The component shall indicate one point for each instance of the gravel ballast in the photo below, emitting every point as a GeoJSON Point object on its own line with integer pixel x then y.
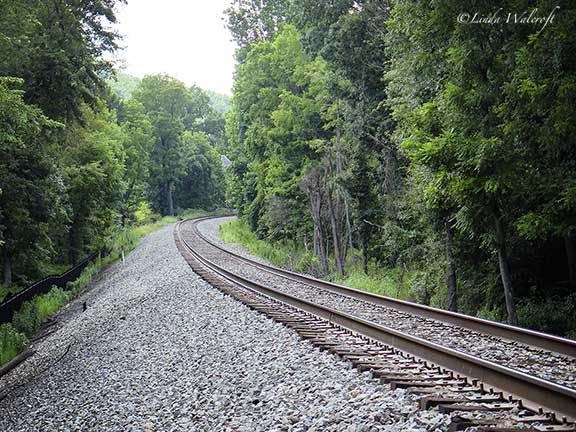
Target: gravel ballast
{"type": "Point", "coordinates": [161, 350]}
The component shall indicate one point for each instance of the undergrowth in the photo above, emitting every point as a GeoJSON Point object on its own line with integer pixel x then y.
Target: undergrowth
{"type": "Point", "coordinates": [385, 282]}
{"type": "Point", "coordinates": [237, 231]}
{"type": "Point", "coordinates": [12, 343]}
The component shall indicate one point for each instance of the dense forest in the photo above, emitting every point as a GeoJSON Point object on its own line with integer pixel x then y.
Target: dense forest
{"type": "Point", "coordinates": [84, 149]}
{"type": "Point", "coordinates": [387, 136]}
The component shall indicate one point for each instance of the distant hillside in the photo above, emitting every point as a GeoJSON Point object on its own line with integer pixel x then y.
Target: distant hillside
{"type": "Point", "coordinates": [220, 102]}
{"type": "Point", "coordinates": [125, 84]}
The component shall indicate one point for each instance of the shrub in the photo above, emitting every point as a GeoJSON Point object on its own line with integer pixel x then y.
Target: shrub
{"type": "Point", "coordinates": [7, 291]}
{"type": "Point", "coordinates": [237, 231]}
{"type": "Point", "coordinates": [307, 262]}
{"type": "Point", "coordinates": [84, 279]}
{"type": "Point", "coordinates": [556, 316]}
{"type": "Point", "coordinates": [12, 343]}
{"type": "Point", "coordinates": [144, 213]}
{"type": "Point", "coordinates": [491, 313]}
{"type": "Point", "coordinates": [27, 320]}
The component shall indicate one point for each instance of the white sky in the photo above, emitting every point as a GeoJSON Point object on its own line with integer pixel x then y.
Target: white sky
{"type": "Point", "coordinates": [186, 39]}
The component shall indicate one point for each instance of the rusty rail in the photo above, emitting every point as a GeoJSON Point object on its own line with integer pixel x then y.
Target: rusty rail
{"type": "Point", "coordinates": [535, 392]}
{"type": "Point", "coordinates": [518, 334]}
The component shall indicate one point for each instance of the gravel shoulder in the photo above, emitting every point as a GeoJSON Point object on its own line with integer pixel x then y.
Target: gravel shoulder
{"type": "Point", "coordinates": [161, 350]}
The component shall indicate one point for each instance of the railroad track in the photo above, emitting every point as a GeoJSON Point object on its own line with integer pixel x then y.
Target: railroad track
{"type": "Point", "coordinates": [480, 393]}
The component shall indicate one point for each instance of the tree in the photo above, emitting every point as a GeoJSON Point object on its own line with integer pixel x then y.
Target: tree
{"type": "Point", "coordinates": [203, 183]}
{"type": "Point", "coordinates": [56, 47]}
{"type": "Point", "coordinates": [29, 183]}
{"type": "Point", "coordinates": [123, 84]}
{"type": "Point", "coordinates": [432, 146]}
{"type": "Point", "coordinates": [172, 109]}
{"type": "Point", "coordinates": [348, 36]}
{"type": "Point", "coordinates": [168, 105]}
{"type": "Point", "coordinates": [138, 141]}
{"type": "Point", "coordinates": [539, 117]}
{"type": "Point", "coordinates": [274, 132]}
{"type": "Point", "coordinates": [94, 169]}
{"type": "Point", "coordinates": [255, 21]}
{"type": "Point", "coordinates": [219, 102]}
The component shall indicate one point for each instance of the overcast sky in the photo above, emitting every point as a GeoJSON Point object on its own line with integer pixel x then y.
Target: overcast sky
{"type": "Point", "coordinates": [183, 38]}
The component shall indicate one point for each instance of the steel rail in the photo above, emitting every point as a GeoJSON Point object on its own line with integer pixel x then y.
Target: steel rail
{"type": "Point", "coordinates": [518, 334]}
{"type": "Point", "coordinates": [533, 391]}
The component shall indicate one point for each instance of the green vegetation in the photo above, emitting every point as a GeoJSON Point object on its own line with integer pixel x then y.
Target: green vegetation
{"type": "Point", "coordinates": [382, 144]}
{"type": "Point", "coordinates": [388, 282]}
{"type": "Point", "coordinates": [549, 315]}
{"type": "Point", "coordinates": [123, 84]}
{"type": "Point", "coordinates": [238, 232]}
{"type": "Point", "coordinates": [437, 158]}
{"type": "Point", "coordinates": [27, 321]}
{"type": "Point", "coordinates": [77, 161]}
{"type": "Point", "coordinates": [34, 312]}
{"type": "Point", "coordinates": [12, 343]}
{"type": "Point", "coordinates": [220, 102]}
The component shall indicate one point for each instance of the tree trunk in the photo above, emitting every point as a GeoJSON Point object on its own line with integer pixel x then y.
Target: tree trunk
{"type": "Point", "coordinates": [450, 270]}
{"type": "Point", "coordinates": [570, 245]}
{"type": "Point", "coordinates": [312, 185]}
{"type": "Point", "coordinates": [336, 236]}
{"type": "Point", "coordinates": [505, 270]}
{"type": "Point", "coordinates": [349, 228]}
{"type": "Point", "coordinates": [318, 232]}
{"type": "Point", "coordinates": [7, 258]}
{"type": "Point", "coordinates": [169, 198]}
{"type": "Point", "coordinates": [320, 251]}
{"type": "Point", "coordinates": [365, 256]}
{"type": "Point", "coordinates": [335, 210]}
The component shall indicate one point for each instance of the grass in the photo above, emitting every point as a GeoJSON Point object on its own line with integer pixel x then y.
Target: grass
{"type": "Point", "coordinates": [389, 282]}
{"type": "Point", "coordinates": [27, 321]}
{"type": "Point", "coordinates": [237, 231]}
{"type": "Point", "coordinates": [33, 313]}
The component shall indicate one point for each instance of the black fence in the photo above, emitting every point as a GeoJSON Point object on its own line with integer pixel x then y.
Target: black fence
{"type": "Point", "coordinates": [11, 305]}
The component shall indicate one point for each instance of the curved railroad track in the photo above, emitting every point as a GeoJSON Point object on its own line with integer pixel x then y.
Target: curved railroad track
{"type": "Point", "coordinates": [518, 377]}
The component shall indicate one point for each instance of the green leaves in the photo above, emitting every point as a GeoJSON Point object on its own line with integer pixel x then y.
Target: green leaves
{"type": "Point", "coordinates": [30, 186]}
{"type": "Point", "coordinates": [171, 110]}
{"type": "Point", "coordinates": [56, 48]}
{"type": "Point", "coordinates": [276, 123]}
{"type": "Point", "coordinates": [202, 185]}
{"type": "Point", "coordinates": [93, 162]}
